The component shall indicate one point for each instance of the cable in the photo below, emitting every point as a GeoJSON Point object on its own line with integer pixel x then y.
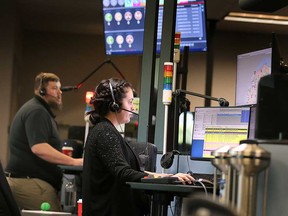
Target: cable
{"type": "Point", "coordinates": [203, 185]}
{"type": "Point", "coordinates": [122, 131]}
{"type": "Point", "coordinates": [187, 159]}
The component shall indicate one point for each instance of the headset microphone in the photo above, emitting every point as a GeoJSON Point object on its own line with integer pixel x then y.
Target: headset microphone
{"type": "Point", "coordinates": [129, 111]}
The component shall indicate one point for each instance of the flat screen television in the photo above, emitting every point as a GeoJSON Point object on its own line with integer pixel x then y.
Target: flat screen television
{"type": "Point", "coordinates": [215, 127]}
{"type": "Point", "coordinates": [124, 25]}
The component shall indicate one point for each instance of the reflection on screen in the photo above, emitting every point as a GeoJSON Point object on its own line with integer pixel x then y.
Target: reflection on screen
{"type": "Point", "coordinates": [215, 127]}
{"type": "Point", "coordinates": [250, 68]}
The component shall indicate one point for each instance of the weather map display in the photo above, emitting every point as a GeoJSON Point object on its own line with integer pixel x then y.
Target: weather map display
{"type": "Point", "coordinates": [250, 68]}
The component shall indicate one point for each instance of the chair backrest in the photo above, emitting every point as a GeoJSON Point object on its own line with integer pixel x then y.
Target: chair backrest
{"type": "Point", "coordinates": [76, 132]}
{"type": "Point", "coordinates": [147, 153]}
{"type": "Point", "coordinates": [8, 205]}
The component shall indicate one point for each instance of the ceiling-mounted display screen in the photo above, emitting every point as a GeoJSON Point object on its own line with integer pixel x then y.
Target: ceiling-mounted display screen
{"type": "Point", "coordinates": [124, 25]}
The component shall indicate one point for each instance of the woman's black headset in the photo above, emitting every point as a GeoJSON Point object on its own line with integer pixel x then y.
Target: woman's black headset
{"type": "Point", "coordinates": [113, 106]}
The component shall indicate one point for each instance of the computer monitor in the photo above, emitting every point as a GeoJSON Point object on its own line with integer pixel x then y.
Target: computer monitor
{"type": "Point", "coordinates": [124, 25]}
{"type": "Point", "coordinates": [190, 22]}
{"type": "Point", "coordinates": [272, 106]}
{"type": "Point", "coordinates": [215, 127]}
{"type": "Point", "coordinates": [250, 68]}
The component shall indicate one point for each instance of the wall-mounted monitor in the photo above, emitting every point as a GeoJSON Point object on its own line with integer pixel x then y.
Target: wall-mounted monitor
{"type": "Point", "coordinates": [124, 25]}
{"type": "Point", "coordinates": [215, 127]}
{"type": "Point", "coordinates": [250, 68]}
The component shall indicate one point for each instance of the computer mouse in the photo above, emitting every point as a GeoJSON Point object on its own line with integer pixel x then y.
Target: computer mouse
{"type": "Point", "coordinates": [204, 181]}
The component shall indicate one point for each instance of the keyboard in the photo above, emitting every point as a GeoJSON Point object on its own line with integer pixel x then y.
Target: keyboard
{"type": "Point", "coordinates": [163, 180]}
{"type": "Point", "coordinates": [174, 180]}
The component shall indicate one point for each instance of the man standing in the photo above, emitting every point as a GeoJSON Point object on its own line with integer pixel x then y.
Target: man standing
{"type": "Point", "coordinates": [34, 142]}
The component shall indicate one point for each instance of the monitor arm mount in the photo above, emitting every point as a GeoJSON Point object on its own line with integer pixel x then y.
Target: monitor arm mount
{"type": "Point", "coordinates": [222, 101]}
{"type": "Point", "coordinates": [180, 93]}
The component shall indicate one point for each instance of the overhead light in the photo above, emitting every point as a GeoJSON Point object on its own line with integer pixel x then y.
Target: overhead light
{"type": "Point", "coordinates": [257, 18]}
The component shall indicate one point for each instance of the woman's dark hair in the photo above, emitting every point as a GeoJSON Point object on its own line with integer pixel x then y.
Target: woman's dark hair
{"type": "Point", "coordinates": [103, 98]}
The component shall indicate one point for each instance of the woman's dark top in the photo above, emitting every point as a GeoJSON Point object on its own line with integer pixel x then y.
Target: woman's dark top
{"type": "Point", "coordinates": [109, 162]}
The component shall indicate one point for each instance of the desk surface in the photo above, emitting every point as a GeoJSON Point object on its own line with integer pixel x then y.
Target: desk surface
{"type": "Point", "coordinates": [71, 169]}
{"type": "Point", "coordinates": [75, 168]}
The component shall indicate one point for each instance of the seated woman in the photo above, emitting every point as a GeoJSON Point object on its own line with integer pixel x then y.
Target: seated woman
{"type": "Point", "coordinates": [109, 162]}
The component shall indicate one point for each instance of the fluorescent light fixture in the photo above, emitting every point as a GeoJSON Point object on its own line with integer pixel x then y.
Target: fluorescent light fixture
{"type": "Point", "coordinates": [257, 18]}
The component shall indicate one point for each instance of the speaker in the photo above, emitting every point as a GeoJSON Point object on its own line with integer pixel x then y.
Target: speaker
{"type": "Point", "coordinates": [113, 106]}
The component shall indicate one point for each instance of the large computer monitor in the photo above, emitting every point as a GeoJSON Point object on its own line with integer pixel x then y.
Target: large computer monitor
{"type": "Point", "coordinates": [250, 68]}
{"type": "Point", "coordinates": [124, 25]}
{"type": "Point", "coordinates": [215, 127]}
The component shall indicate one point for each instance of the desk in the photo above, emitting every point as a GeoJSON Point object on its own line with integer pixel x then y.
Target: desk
{"type": "Point", "coordinates": [163, 194]}
{"type": "Point", "coordinates": [73, 170]}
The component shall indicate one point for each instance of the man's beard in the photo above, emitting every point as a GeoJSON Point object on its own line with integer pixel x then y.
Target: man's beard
{"type": "Point", "coordinates": [56, 106]}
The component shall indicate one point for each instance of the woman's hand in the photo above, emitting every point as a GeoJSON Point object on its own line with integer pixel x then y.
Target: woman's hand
{"type": "Point", "coordinates": [184, 178]}
{"type": "Point", "coordinates": [158, 175]}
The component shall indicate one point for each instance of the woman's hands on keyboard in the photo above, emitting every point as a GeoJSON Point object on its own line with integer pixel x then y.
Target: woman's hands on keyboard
{"type": "Point", "coordinates": [158, 175]}
{"type": "Point", "coordinates": [184, 178]}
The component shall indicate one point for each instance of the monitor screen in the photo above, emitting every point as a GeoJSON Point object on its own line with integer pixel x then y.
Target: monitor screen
{"type": "Point", "coordinates": [215, 127]}
{"type": "Point", "coordinates": [124, 25]}
{"type": "Point", "coordinates": [250, 68]}
{"type": "Point", "coordinates": [190, 22]}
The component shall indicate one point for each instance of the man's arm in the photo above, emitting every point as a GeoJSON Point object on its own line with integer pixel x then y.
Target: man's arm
{"type": "Point", "coordinates": [51, 155]}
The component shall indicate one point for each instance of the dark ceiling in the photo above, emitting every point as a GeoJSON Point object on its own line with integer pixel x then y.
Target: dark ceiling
{"type": "Point", "coordinates": [84, 16]}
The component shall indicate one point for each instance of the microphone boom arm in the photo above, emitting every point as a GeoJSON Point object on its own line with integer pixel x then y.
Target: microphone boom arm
{"type": "Point", "coordinates": [76, 87]}
{"type": "Point", "coordinates": [96, 69]}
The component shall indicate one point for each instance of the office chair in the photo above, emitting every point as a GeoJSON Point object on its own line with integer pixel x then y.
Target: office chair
{"type": "Point", "coordinates": [200, 205]}
{"type": "Point", "coordinates": [76, 132]}
{"type": "Point", "coordinates": [8, 205]}
{"type": "Point", "coordinates": [147, 153]}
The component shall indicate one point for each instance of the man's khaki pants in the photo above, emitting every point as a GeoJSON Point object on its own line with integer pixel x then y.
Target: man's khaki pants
{"type": "Point", "coordinates": [30, 193]}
